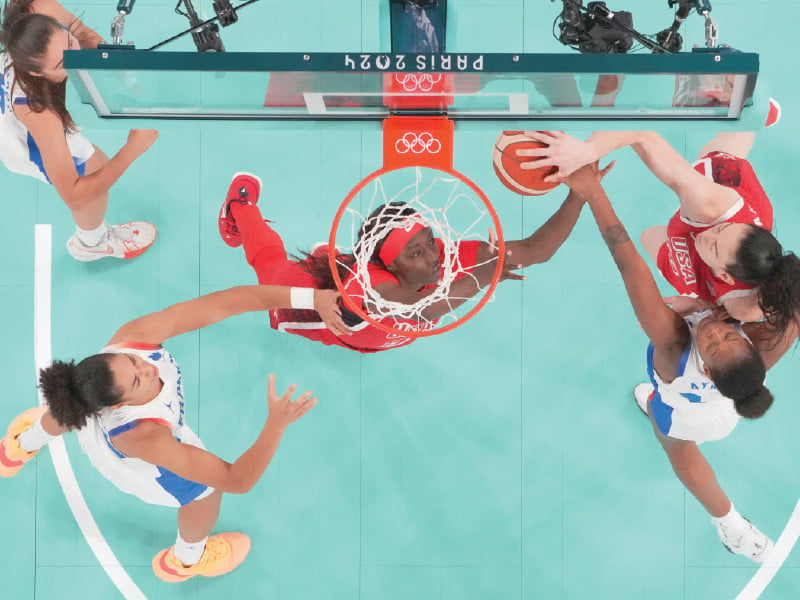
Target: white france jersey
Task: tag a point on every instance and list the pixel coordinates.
(18, 151)
(144, 480)
(691, 407)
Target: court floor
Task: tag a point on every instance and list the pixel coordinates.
(503, 460)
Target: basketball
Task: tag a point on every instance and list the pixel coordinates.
(528, 182)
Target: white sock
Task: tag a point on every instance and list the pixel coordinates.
(34, 438)
(91, 237)
(188, 553)
(733, 517)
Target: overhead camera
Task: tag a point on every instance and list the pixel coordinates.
(206, 33)
(596, 29)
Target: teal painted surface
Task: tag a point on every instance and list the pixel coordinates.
(503, 460)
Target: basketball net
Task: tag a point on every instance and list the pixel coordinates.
(417, 172)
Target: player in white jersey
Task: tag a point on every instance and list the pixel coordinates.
(690, 407)
(128, 407)
(39, 138)
(705, 360)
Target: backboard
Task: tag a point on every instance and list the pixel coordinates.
(699, 85)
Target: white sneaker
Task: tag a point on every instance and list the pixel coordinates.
(744, 538)
(128, 240)
(641, 393)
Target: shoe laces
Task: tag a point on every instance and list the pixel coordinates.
(118, 233)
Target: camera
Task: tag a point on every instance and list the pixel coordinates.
(595, 29)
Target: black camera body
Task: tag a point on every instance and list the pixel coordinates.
(595, 29)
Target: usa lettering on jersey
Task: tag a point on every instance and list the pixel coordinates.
(681, 260)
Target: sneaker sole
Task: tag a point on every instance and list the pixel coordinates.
(108, 252)
(230, 240)
(240, 548)
(10, 466)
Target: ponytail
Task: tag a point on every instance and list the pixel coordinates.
(76, 392)
(742, 380)
(761, 262)
(754, 405)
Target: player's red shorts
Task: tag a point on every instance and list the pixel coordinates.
(678, 260)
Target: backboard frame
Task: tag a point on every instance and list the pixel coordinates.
(744, 67)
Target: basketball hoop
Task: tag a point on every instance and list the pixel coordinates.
(417, 186)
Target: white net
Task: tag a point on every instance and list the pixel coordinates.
(458, 217)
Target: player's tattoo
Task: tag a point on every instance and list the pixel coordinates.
(614, 236)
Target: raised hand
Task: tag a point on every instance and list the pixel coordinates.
(586, 180)
(140, 140)
(508, 266)
(282, 409)
(325, 304)
(563, 151)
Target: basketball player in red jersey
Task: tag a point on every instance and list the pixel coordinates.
(718, 246)
(405, 267)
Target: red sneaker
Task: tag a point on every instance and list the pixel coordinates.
(244, 188)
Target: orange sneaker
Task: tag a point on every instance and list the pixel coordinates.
(12, 457)
(224, 552)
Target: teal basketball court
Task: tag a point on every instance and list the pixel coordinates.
(503, 460)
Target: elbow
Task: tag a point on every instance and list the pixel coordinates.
(237, 485)
(644, 139)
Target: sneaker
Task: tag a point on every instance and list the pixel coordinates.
(125, 241)
(774, 114)
(745, 539)
(224, 552)
(642, 394)
(12, 457)
(244, 188)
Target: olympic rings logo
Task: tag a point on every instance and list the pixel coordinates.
(417, 143)
(418, 82)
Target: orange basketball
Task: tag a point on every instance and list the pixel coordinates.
(528, 182)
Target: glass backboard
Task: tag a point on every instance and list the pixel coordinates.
(703, 84)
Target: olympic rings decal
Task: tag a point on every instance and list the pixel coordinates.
(418, 82)
(417, 143)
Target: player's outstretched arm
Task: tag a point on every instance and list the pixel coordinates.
(78, 191)
(211, 308)
(542, 244)
(154, 443)
(663, 326)
(701, 199)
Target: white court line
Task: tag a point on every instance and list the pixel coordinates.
(775, 560)
(58, 451)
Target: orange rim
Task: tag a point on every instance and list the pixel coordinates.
(355, 306)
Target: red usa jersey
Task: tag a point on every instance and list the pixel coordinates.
(678, 260)
(365, 338)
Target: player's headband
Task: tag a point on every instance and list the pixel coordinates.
(397, 239)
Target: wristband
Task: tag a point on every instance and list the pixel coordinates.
(302, 297)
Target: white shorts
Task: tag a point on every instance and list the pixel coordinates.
(149, 483)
